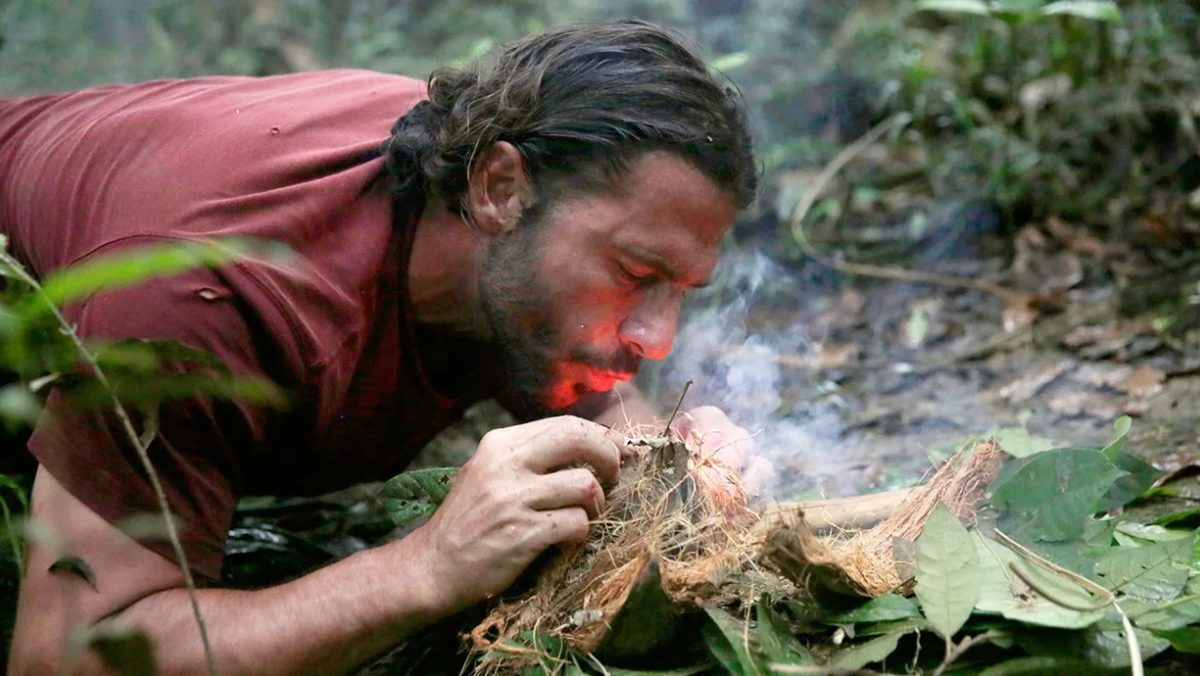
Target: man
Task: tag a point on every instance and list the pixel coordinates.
(527, 232)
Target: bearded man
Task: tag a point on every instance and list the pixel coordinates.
(527, 232)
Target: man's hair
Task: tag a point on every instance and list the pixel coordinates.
(580, 103)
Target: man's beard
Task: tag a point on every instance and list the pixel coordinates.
(519, 307)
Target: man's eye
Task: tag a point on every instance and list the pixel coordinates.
(631, 275)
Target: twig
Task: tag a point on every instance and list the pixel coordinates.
(953, 652)
(843, 513)
(1131, 639)
(813, 191)
(142, 452)
(667, 431)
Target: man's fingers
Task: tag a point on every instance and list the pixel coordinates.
(568, 488)
(574, 441)
(569, 525)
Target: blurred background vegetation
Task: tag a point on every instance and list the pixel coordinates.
(1002, 113)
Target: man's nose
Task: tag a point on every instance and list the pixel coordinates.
(649, 330)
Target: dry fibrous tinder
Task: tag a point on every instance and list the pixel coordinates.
(677, 518)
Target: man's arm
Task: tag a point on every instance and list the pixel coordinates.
(509, 503)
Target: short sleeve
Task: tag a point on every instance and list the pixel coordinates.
(201, 444)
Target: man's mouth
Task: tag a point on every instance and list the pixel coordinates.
(603, 381)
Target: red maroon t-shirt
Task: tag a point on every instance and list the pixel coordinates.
(293, 159)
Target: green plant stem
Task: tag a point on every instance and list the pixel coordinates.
(142, 452)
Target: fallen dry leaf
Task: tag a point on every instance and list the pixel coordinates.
(1146, 382)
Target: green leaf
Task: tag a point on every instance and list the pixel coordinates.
(891, 627)
(726, 640)
(1040, 666)
(1102, 648)
(1019, 443)
(147, 389)
(730, 62)
(875, 650)
(19, 406)
(975, 7)
(1173, 614)
(1052, 494)
(1128, 488)
(128, 268)
(1151, 533)
(1121, 427)
(1185, 639)
(882, 609)
(779, 645)
(1096, 10)
(1002, 592)
(947, 572)
(1154, 573)
(413, 495)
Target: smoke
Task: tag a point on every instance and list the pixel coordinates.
(737, 360)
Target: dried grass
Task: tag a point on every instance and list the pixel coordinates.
(864, 563)
(675, 504)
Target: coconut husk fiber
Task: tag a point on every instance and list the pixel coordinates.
(678, 515)
(865, 563)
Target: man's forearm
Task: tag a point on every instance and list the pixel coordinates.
(329, 622)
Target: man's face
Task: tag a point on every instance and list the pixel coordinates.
(586, 287)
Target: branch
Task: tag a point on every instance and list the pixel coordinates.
(813, 191)
(139, 445)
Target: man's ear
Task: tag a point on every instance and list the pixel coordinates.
(498, 189)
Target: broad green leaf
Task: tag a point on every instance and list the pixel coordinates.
(882, 609)
(875, 650)
(1096, 10)
(891, 627)
(1052, 494)
(412, 495)
(1002, 592)
(726, 639)
(1019, 443)
(1121, 427)
(1102, 648)
(779, 645)
(1154, 572)
(1185, 639)
(976, 7)
(1173, 614)
(1141, 476)
(1041, 666)
(1151, 533)
(947, 572)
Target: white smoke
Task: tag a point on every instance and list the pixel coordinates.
(740, 369)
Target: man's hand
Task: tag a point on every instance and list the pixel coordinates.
(522, 492)
(728, 444)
